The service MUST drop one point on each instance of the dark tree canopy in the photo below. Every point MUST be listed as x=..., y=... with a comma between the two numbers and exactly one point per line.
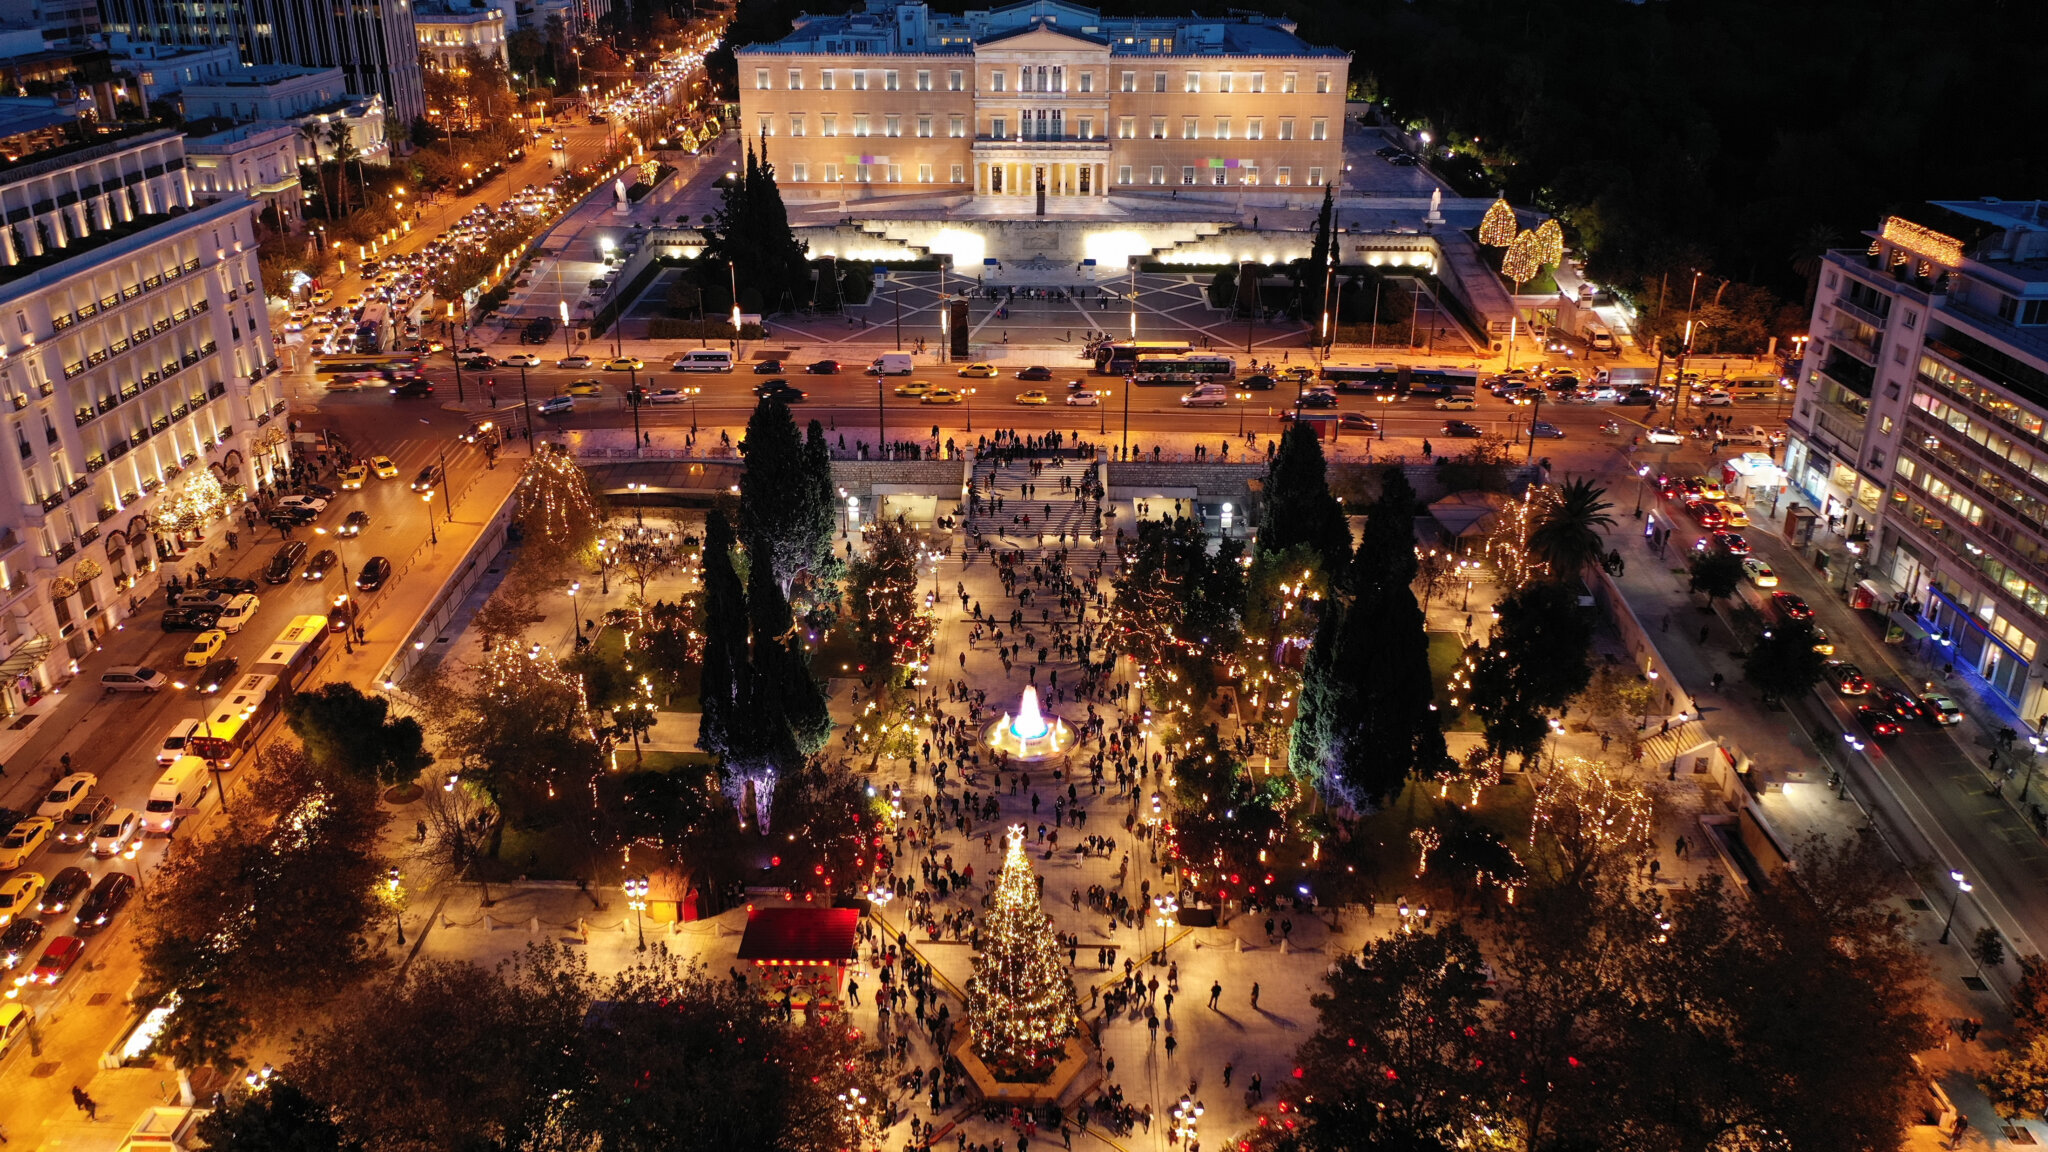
x=1783, y=663
x=343, y=729
x=1537, y=661
x=1298, y=506
x=751, y=232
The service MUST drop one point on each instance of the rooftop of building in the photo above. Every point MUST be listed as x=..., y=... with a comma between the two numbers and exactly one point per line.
x=217, y=134
x=32, y=113
x=79, y=151
x=265, y=76
x=909, y=26
x=425, y=15
x=42, y=273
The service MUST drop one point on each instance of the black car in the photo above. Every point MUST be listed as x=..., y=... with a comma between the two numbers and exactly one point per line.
x=320, y=490
x=781, y=390
x=1462, y=428
x=354, y=525
x=232, y=585
x=1318, y=400
x=292, y=517
x=1639, y=396
x=284, y=562
x=375, y=572
x=538, y=331
x=1035, y=372
x=64, y=890
x=323, y=562
x=413, y=389
x=823, y=368
x=190, y=619
x=480, y=363
x=108, y=897
x=1259, y=383
x=767, y=367
x=19, y=940
x=218, y=671
x=428, y=479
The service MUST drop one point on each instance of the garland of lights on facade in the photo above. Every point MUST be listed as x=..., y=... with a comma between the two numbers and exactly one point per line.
x=1020, y=1005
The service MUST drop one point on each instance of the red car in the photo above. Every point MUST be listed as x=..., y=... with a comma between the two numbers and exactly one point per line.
x=1709, y=515
x=1898, y=703
x=1731, y=542
x=1791, y=606
x=58, y=957
x=1879, y=721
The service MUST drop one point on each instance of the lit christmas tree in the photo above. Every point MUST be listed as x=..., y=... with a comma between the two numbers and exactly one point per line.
x=1020, y=1004
x=1520, y=263
x=1497, y=229
x=1550, y=243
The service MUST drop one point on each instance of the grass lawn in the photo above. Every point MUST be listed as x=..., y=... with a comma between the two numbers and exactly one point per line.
x=559, y=852
x=1446, y=649
x=664, y=761
x=837, y=656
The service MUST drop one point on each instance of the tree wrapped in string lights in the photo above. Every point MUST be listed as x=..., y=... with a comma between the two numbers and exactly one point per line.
x=192, y=504
x=1020, y=1004
x=1550, y=242
x=1519, y=263
x=1497, y=229
x=556, y=506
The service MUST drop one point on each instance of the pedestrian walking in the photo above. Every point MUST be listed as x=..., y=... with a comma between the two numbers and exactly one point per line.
x=1228, y=1068
x=420, y=831
x=1215, y=994
x=1255, y=996
x=1171, y=1044
x=1258, y=1087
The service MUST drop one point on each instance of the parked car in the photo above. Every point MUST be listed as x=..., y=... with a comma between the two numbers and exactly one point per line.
x=64, y=890
x=25, y=840
x=376, y=570
x=132, y=678
x=312, y=503
x=57, y=958
x=66, y=794
x=232, y=585
x=284, y=562
x=107, y=898
x=190, y=619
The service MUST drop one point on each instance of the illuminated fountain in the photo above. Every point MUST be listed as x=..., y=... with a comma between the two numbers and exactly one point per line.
x=1030, y=736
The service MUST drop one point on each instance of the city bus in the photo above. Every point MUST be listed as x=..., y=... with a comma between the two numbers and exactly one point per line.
x=398, y=363
x=373, y=330
x=232, y=723
x=293, y=654
x=1441, y=380
x=1362, y=377
x=1191, y=368
x=1118, y=359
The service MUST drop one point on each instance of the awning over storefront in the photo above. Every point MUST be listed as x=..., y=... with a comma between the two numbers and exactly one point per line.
x=1906, y=628
x=26, y=655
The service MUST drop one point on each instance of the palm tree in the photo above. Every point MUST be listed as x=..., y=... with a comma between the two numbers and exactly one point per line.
x=1568, y=537
x=311, y=131
x=344, y=144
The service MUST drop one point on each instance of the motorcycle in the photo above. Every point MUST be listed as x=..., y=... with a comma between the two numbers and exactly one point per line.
x=1611, y=427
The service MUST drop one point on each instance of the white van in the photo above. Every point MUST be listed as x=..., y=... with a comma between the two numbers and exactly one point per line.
x=176, y=795
x=891, y=364
x=703, y=360
x=1206, y=396
x=1601, y=339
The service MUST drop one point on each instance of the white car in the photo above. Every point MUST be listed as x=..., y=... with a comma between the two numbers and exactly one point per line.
x=122, y=827
x=573, y=362
x=66, y=794
x=1664, y=436
x=238, y=612
x=1759, y=573
x=668, y=396
x=175, y=741
x=1455, y=404
x=1717, y=398
x=1083, y=399
x=520, y=360
x=311, y=503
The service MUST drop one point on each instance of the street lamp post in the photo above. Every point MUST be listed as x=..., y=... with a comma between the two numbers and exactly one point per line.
x=1962, y=886
x=1129, y=381
x=636, y=898
x=1642, y=477
x=576, y=606
x=1102, y=413
x=427, y=498
x=968, y=400
x=1241, y=398
x=397, y=914
x=1164, y=907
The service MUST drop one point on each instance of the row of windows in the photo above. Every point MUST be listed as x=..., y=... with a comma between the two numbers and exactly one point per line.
x=1929, y=519
x=866, y=173
x=1221, y=176
x=1045, y=124
x=893, y=174
x=1034, y=78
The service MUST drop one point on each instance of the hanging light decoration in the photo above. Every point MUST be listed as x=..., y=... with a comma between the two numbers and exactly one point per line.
x=1497, y=229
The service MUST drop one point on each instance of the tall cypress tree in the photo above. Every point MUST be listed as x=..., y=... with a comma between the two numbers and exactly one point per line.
x=820, y=501
x=784, y=693
x=1298, y=506
x=751, y=230
x=1315, y=270
x=773, y=488
x=723, y=690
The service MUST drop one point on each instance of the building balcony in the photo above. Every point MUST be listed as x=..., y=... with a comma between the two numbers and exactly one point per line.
x=1860, y=313
x=1842, y=425
x=1849, y=372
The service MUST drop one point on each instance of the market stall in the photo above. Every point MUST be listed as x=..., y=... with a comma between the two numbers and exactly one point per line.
x=803, y=951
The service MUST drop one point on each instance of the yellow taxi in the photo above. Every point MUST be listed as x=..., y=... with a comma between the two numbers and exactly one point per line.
x=942, y=396
x=19, y=895
x=1734, y=513
x=352, y=477
x=625, y=363
x=1033, y=396
x=583, y=388
x=23, y=840
x=913, y=388
x=983, y=371
x=205, y=647
x=384, y=468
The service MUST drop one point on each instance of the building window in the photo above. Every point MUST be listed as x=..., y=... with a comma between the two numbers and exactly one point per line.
x=1159, y=81
x=1024, y=79
x=1287, y=127
x=831, y=128
x=1159, y=127
x=1315, y=177
x=1157, y=174
x=1087, y=81
x=1223, y=127
x=861, y=174
x=796, y=79
x=999, y=127
x=796, y=125
x=764, y=127
x=1283, y=176
x=1222, y=176
x=1126, y=127
x=860, y=81
x=796, y=173
x=995, y=80
x=924, y=126
x=895, y=173
x=1187, y=174
x=889, y=80
x=955, y=81
x=892, y=125
x=1250, y=172
x=860, y=123
x=1188, y=129
x=827, y=80
x=1087, y=128
x=1130, y=82
x=1322, y=83
x=760, y=78
x=1319, y=129
x=1059, y=78
x=959, y=174
x=924, y=173
x=831, y=173
x=1194, y=83
x=1287, y=83
x=1255, y=129
x=1258, y=81
x=1223, y=80
x=1123, y=173
x=924, y=80
x=956, y=126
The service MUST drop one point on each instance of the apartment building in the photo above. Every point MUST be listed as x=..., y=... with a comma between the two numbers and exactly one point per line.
x=259, y=160
x=1044, y=95
x=135, y=374
x=449, y=35
x=1921, y=431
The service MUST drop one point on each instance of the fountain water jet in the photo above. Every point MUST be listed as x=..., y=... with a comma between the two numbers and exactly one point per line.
x=1031, y=736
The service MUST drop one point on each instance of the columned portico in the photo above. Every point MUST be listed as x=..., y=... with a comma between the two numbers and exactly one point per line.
x=1014, y=168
